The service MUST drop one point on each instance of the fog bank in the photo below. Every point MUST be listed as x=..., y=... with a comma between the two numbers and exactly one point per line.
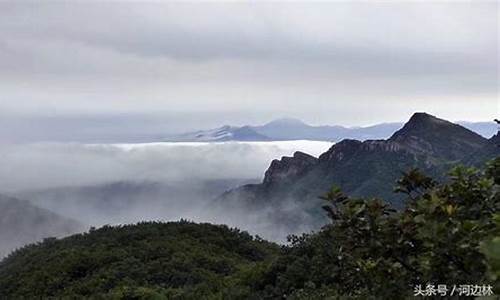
x=98, y=184
x=49, y=165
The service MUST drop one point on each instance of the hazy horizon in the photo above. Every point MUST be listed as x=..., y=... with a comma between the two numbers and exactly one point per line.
x=119, y=128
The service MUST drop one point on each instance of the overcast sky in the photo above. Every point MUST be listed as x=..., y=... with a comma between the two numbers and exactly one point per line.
x=207, y=64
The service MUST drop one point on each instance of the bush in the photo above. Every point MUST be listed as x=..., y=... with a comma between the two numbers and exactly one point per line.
x=447, y=234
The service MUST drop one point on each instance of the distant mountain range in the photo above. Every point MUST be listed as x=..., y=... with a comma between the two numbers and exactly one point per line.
x=128, y=201
x=294, y=129
x=222, y=134
x=291, y=185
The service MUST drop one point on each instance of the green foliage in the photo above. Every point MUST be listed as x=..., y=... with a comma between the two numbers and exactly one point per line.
x=491, y=249
x=447, y=234
x=143, y=261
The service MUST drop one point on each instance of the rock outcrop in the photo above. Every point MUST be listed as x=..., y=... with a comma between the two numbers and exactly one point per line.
x=370, y=168
x=289, y=168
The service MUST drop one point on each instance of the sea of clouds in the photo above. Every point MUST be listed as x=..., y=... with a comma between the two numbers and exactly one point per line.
x=47, y=165
x=98, y=184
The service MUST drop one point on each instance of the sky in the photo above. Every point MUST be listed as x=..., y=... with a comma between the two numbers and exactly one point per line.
x=202, y=64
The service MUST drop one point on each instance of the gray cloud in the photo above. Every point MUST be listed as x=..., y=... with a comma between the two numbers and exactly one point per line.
x=317, y=61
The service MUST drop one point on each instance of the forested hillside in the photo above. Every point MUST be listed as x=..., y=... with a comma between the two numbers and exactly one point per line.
x=147, y=259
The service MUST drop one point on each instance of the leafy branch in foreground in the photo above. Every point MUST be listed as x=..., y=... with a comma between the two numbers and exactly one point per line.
x=447, y=234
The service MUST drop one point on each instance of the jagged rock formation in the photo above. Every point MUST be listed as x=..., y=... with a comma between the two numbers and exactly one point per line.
x=289, y=168
x=370, y=168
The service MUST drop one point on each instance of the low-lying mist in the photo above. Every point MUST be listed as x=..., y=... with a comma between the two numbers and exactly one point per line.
x=49, y=165
x=97, y=184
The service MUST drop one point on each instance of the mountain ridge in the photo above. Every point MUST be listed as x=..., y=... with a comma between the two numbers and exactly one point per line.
x=285, y=129
x=367, y=168
x=22, y=222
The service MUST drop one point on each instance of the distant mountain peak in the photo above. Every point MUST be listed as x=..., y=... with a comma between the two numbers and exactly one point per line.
x=421, y=122
x=287, y=122
x=223, y=134
x=423, y=134
x=425, y=125
x=437, y=137
x=423, y=116
x=225, y=127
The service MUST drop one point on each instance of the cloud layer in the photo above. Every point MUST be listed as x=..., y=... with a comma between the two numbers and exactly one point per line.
x=125, y=183
x=323, y=62
x=48, y=165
